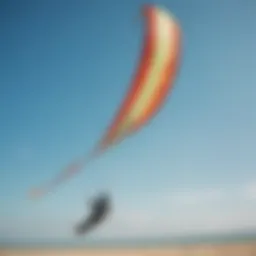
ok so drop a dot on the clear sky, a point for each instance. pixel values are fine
(65, 67)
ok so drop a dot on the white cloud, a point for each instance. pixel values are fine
(191, 220)
(42, 228)
(183, 211)
(130, 223)
(250, 191)
(193, 197)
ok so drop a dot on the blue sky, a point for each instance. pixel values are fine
(65, 67)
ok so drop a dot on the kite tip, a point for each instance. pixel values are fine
(35, 193)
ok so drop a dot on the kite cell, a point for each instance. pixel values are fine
(154, 79)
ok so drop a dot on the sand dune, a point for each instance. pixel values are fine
(245, 249)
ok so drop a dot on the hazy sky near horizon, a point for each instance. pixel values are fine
(65, 66)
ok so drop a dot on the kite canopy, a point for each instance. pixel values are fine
(154, 77)
(153, 80)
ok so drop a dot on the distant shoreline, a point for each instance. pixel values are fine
(133, 243)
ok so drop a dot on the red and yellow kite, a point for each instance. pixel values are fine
(153, 80)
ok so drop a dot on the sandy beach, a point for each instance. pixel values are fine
(242, 249)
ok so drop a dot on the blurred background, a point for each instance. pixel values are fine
(65, 67)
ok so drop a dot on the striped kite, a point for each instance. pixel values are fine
(153, 80)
